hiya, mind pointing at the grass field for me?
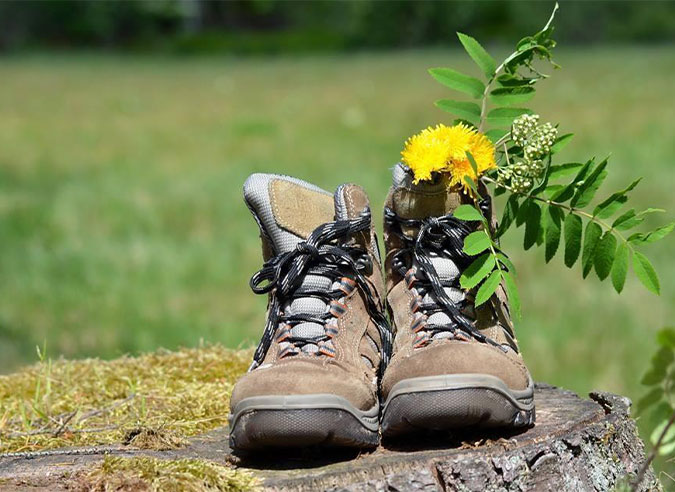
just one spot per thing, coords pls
(122, 226)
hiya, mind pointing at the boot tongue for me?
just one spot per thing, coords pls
(419, 201)
(287, 209)
(424, 199)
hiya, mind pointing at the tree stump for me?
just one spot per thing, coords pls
(576, 445)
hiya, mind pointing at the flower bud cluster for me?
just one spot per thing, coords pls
(523, 127)
(536, 140)
(540, 142)
(521, 184)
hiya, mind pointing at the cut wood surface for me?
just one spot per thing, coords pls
(577, 445)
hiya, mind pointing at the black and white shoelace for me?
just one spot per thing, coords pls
(324, 253)
(440, 237)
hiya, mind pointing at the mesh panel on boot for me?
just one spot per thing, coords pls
(257, 197)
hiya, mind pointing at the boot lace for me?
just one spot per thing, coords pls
(324, 254)
(436, 238)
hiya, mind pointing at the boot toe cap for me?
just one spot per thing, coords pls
(457, 357)
(298, 377)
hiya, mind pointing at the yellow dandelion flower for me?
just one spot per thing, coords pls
(443, 149)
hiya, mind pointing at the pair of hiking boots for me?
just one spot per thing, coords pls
(329, 369)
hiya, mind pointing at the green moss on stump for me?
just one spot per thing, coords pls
(151, 401)
(152, 474)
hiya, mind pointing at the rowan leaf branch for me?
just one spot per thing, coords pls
(553, 201)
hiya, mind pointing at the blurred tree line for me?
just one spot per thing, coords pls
(272, 26)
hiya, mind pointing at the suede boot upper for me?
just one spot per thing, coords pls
(324, 345)
(417, 353)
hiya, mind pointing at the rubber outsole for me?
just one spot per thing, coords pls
(301, 420)
(450, 402)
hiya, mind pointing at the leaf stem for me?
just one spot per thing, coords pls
(506, 154)
(569, 208)
(488, 233)
(652, 454)
(483, 106)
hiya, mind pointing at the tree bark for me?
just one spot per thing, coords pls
(576, 445)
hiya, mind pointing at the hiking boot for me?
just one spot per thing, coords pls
(453, 364)
(314, 375)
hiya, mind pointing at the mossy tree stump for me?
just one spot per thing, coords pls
(577, 445)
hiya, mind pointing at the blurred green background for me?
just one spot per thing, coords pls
(127, 130)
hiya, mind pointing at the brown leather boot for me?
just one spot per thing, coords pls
(315, 373)
(453, 365)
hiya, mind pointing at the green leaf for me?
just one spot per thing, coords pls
(645, 272)
(458, 81)
(662, 411)
(651, 210)
(667, 448)
(591, 236)
(568, 191)
(506, 96)
(561, 142)
(653, 236)
(659, 233)
(478, 54)
(471, 183)
(458, 121)
(624, 217)
(476, 242)
(507, 263)
(658, 370)
(512, 293)
(510, 212)
(573, 234)
(614, 202)
(468, 212)
(532, 225)
(620, 267)
(636, 238)
(505, 116)
(658, 430)
(590, 185)
(552, 231)
(472, 162)
(522, 212)
(630, 219)
(540, 232)
(513, 80)
(610, 206)
(651, 398)
(488, 287)
(467, 110)
(666, 337)
(544, 181)
(562, 170)
(604, 255)
(553, 189)
(526, 43)
(477, 271)
(496, 134)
